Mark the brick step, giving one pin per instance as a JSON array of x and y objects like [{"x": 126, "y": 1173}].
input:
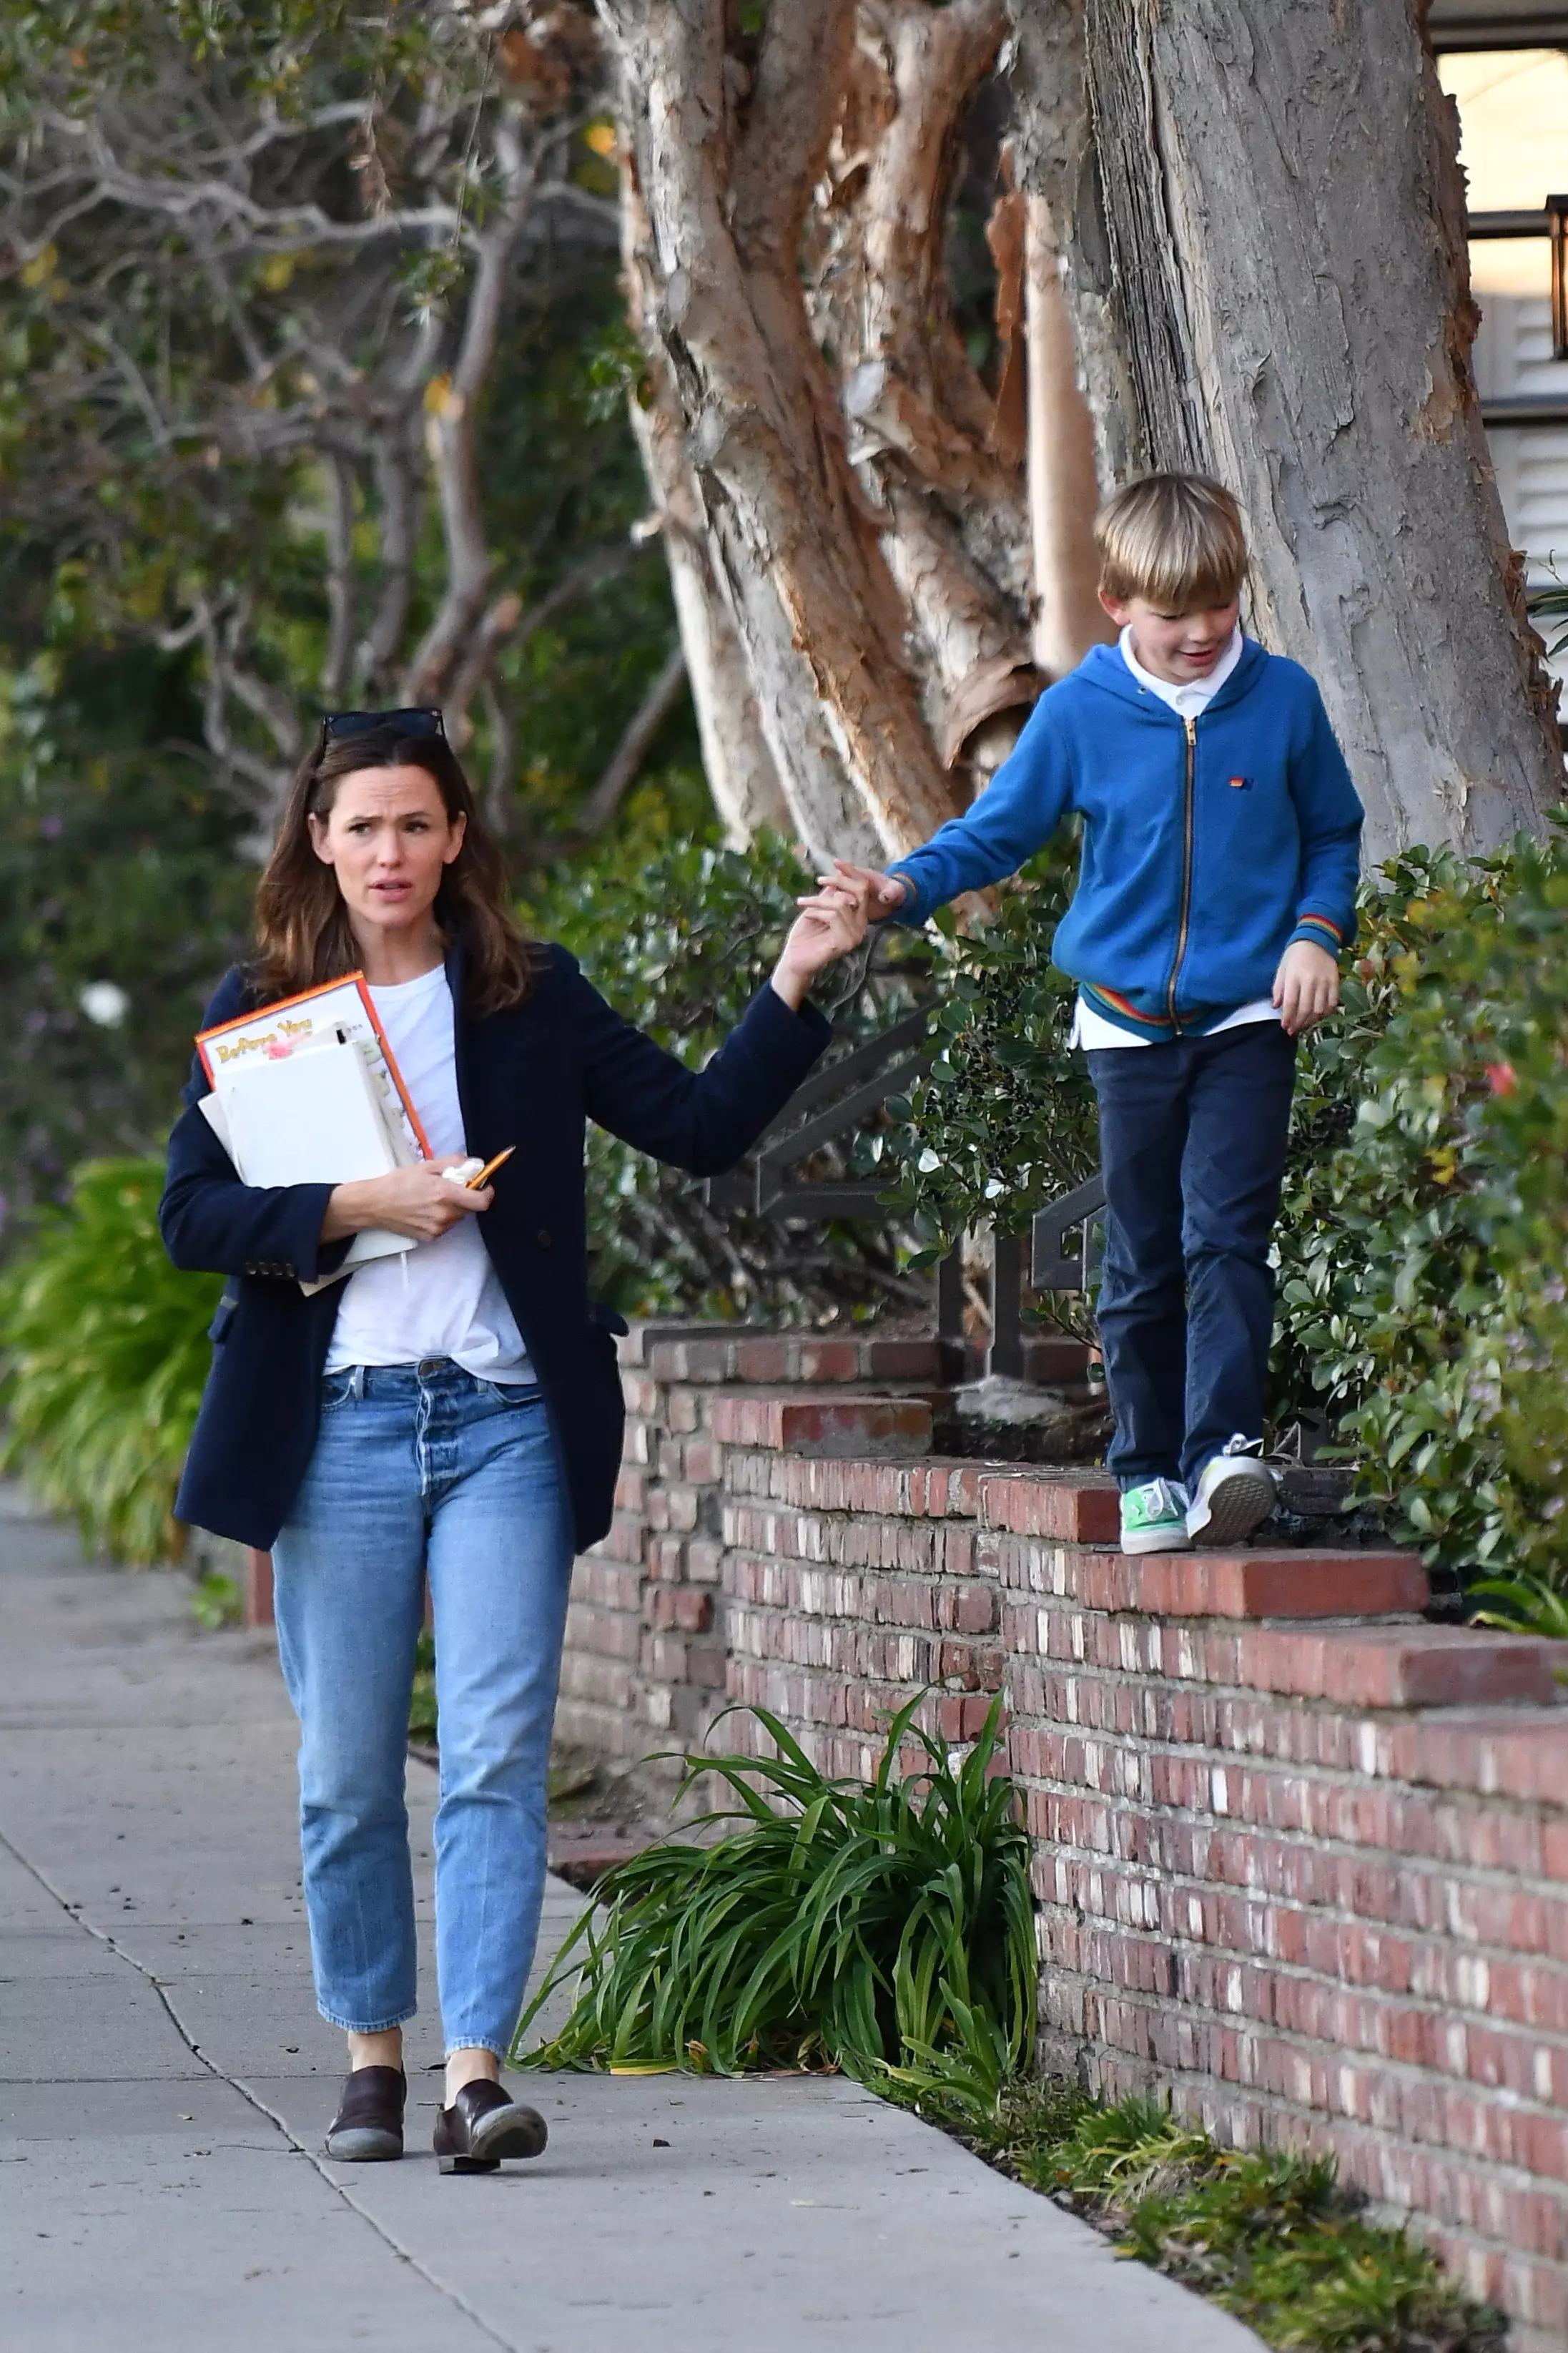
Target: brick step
[{"x": 723, "y": 1355}]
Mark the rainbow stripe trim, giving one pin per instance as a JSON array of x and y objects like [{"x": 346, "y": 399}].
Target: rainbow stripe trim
[
  {"x": 1123, "y": 1007},
  {"x": 1321, "y": 923}
]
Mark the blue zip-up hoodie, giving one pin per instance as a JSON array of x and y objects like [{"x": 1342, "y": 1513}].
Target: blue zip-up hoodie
[{"x": 1208, "y": 844}]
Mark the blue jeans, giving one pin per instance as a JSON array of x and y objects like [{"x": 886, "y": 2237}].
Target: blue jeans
[
  {"x": 1193, "y": 1137},
  {"x": 423, "y": 1471}
]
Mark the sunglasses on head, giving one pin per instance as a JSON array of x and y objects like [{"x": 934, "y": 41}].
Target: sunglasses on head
[{"x": 337, "y": 724}]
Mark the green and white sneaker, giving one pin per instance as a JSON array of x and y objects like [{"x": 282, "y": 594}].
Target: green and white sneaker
[
  {"x": 1236, "y": 1491},
  {"x": 1154, "y": 1517}
]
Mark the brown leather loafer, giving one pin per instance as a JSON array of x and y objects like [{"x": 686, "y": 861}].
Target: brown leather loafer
[
  {"x": 483, "y": 2125},
  {"x": 369, "y": 2122}
]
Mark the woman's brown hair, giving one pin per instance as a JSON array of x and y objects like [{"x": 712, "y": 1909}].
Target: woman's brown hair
[{"x": 302, "y": 928}]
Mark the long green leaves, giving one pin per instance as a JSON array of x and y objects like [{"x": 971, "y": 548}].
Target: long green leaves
[
  {"x": 870, "y": 1926},
  {"x": 106, "y": 1353}
]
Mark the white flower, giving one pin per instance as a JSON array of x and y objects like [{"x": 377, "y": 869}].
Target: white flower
[
  {"x": 105, "y": 1002},
  {"x": 927, "y": 1161}
]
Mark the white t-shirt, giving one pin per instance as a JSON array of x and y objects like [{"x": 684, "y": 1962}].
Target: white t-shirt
[
  {"x": 440, "y": 1298},
  {"x": 1091, "y": 1030}
]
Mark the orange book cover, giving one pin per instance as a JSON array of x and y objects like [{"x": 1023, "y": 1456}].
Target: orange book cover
[{"x": 274, "y": 1029}]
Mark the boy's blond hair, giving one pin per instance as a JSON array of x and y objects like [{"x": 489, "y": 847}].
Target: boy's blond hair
[{"x": 1175, "y": 540}]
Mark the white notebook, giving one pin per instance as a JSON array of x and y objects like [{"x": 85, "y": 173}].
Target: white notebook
[{"x": 312, "y": 1117}]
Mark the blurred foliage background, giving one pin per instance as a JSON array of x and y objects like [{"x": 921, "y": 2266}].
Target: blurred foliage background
[
  {"x": 300, "y": 308},
  {"x": 239, "y": 252}
]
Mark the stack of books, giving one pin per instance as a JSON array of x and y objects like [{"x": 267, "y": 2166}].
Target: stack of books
[{"x": 307, "y": 1092}]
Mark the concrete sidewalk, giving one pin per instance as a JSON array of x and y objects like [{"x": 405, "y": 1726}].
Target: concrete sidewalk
[{"x": 165, "y": 2083}]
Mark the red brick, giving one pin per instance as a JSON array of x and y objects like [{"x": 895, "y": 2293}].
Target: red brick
[
  {"x": 961, "y": 1715},
  {"x": 1302, "y": 1584},
  {"x": 1075, "y": 1507},
  {"x": 763, "y": 1359},
  {"x": 625, "y": 1539},
  {"x": 1513, "y": 1756},
  {"x": 824, "y": 1426},
  {"x": 1053, "y": 1361},
  {"x": 680, "y": 1607},
  {"x": 901, "y": 1360},
  {"x": 1389, "y": 1666}
]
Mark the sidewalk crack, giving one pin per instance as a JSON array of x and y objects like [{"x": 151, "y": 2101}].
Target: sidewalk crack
[{"x": 253, "y": 2100}]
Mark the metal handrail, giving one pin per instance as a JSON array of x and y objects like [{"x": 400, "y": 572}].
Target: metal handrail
[{"x": 1051, "y": 1267}]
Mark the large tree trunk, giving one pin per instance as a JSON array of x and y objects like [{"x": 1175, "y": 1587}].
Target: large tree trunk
[
  {"x": 1265, "y": 267},
  {"x": 738, "y": 767},
  {"x": 860, "y": 498},
  {"x": 725, "y": 158},
  {"x": 1236, "y": 229}
]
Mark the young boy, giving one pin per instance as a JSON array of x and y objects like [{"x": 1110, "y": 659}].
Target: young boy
[{"x": 1216, "y": 895}]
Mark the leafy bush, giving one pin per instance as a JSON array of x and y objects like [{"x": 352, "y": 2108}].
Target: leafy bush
[
  {"x": 1004, "y": 1120},
  {"x": 862, "y": 1926},
  {"x": 680, "y": 945},
  {"x": 105, "y": 1355},
  {"x": 1422, "y": 1240}
]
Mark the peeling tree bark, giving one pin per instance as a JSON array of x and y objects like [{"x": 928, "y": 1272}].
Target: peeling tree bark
[
  {"x": 1237, "y": 245},
  {"x": 724, "y": 160},
  {"x": 1269, "y": 281},
  {"x": 946, "y": 491},
  {"x": 738, "y": 767},
  {"x": 1063, "y": 481}
]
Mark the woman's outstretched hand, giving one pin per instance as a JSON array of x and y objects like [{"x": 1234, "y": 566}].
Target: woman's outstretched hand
[
  {"x": 883, "y": 894},
  {"x": 830, "y": 924}
]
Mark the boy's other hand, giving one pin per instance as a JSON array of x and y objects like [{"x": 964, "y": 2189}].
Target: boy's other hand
[
  {"x": 880, "y": 895},
  {"x": 1306, "y": 986}
]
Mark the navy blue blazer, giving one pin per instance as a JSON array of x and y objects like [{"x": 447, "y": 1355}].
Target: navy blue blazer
[{"x": 530, "y": 1076}]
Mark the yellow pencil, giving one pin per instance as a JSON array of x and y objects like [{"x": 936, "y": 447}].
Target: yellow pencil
[{"x": 489, "y": 1170}]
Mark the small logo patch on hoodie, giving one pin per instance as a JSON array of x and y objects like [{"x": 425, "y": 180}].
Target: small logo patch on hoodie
[{"x": 1241, "y": 784}]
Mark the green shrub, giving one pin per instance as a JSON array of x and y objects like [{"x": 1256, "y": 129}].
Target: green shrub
[
  {"x": 1270, "y": 2235},
  {"x": 862, "y": 1926},
  {"x": 1423, "y": 1230},
  {"x": 1004, "y": 1121},
  {"x": 105, "y": 1352},
  {"x": 216, "y": 1601},
  {"x": 680, "y": 946}
]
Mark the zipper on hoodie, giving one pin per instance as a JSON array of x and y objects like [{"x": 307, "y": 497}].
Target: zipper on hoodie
[{"x": 1191, "y": 727}]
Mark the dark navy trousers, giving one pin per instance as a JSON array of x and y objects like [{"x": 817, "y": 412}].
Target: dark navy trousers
[{"x": 1193, "y": 1137}]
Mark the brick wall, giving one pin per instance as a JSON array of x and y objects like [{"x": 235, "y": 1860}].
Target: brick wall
[{"x": 1300, "y": 1858}]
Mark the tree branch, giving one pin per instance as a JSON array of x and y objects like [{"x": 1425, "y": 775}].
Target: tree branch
[
  {"x": 340, "y": 523},
  {"x": 634, "y": 747},
  {"x": 507, "y": 623},
  {"x": 452, "y": 435}
]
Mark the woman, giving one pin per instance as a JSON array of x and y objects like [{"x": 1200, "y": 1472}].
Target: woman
[{"x": 451, "y": 1413}]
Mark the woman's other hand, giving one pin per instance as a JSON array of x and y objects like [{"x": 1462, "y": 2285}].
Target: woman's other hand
[
  {"x": 829, "y": 926},
  {"x": 417, "y": 1202}
]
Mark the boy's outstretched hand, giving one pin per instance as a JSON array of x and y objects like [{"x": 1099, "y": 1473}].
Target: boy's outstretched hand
[
  {"x": 827, "y": 927},
  {"x": 1306, "y": 986}
]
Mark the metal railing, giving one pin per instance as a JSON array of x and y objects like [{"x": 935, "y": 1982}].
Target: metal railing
[{"x": 835, "y": 1101}]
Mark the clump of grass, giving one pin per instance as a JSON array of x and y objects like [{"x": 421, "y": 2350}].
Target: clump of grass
[
  {"x": 1271, "y": 2236},
  {"x": 850, "y": 1924},
  {"x": 215, "y": 1600}
]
